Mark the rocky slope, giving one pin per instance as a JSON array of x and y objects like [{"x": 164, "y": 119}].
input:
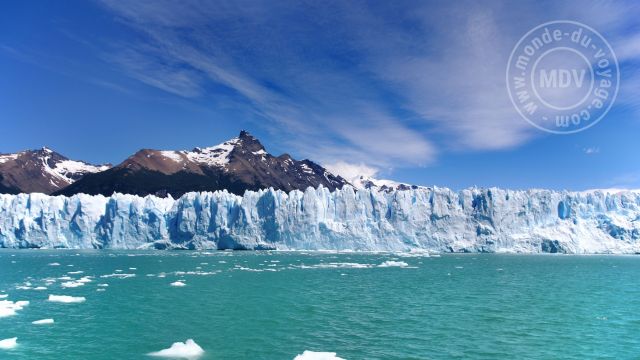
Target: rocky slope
[
  {"x": 43, "y": 171},
  {"x": 236, "y": 165}
]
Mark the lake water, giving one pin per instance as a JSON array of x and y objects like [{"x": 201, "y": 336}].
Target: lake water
[{"x": 275, "y": 305}]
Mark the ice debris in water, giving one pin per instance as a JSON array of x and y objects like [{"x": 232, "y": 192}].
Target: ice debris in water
[
  {"x": 181, "y": 350},
  {"x": 10, "y": 308},
  {"x": 9, "y": 343},
  {"x": 313, "y": 355},
  {"x": 178, "y": 283},
  {"x": 66, "y": 299},
  {"x": 391, "y": 263},
  {"x": 43, "y": 322}
]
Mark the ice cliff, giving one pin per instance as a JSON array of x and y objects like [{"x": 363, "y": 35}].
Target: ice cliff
[{"x": 434, "y": 219}]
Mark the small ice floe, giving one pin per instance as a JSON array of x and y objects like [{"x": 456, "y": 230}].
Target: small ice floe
[
  {"x": 43, "y": 322},
  {"x": 314, "y": 355},
  {"x": 10, "y": 308},
  {"x": 2, "y": 296},
  {"x": 132, "y": 268},
  {"x": 8, "y": 343},
  {"x": 75, "y": 272},
  {"x": 459, "y": 267},
  {"x": 201, "y": 273},
  {"x": 71, "y": 284},
  {"x": 40, "y": 288},
  {"x": 119, "y": 276},
  {"x": 391, "y": 263},
  {"x": 337, "y": 265},
  {"x": 178, "y": 283},
  {"x": 66, "y": 299},
  {"x": 76, "y": 283},
  {"x": 100, "y": 289},
  {"x": 103, "y": 285},
  {"x": 54, "y": 264},
  {"x": 181, "y": 350}
]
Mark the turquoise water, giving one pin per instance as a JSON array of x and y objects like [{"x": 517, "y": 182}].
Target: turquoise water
[{"x": 476, "y": 306}]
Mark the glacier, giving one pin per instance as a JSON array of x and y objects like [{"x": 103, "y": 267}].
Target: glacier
[{"x": 429, "y": 219}]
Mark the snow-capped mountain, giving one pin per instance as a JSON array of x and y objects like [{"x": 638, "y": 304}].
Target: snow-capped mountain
[
  {"x": 431, "y": 219},
  {"x": 236, "y": 165},
  {"x": 44, "y": 171}
]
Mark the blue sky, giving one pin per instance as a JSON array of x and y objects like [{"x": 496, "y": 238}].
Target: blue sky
[{"x": 407, "y": 90}]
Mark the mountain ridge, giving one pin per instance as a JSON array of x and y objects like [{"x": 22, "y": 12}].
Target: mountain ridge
[
  {"x": 237, "y": 165},
  {"x": 41, "y": 170}
]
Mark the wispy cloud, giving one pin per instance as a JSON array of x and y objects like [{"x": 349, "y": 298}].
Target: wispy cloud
[
  {"x": 328, "y": 114},
  {"x": 591, "y": 150},
  {"x": 348, "y": 81}
]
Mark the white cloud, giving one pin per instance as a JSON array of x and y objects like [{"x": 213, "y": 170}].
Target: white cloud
[
  {"x": 350, "y": 171},
  {"x": 442, "y": 66},
  {"x": 591, "y": 150}
]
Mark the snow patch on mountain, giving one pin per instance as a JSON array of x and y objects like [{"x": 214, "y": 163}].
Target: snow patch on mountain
[
  {"x": 8, "y": 157},
  {"x": 213, "y": 156}
]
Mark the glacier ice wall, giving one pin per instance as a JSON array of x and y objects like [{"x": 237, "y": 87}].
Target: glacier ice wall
[{"x": 435, "y": 219}]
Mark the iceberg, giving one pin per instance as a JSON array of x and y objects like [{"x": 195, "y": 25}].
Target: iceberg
[
  {"x": 314, "y": 355},
  {"x": 66, "y": 299},
  {"x": 181, "y": 350},
  {"x": 421, "y": 219},
  {"x": 8, "y": 343}
]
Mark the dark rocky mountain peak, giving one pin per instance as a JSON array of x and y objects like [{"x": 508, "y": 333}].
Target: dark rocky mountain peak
[{"x": 237, "y": 165}]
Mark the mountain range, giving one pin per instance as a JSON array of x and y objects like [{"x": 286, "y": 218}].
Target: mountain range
[
  {"x": 237, "y": 165},
  {"x": 43, "y": 170}
]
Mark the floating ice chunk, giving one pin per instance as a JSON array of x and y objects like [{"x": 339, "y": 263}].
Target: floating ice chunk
[
  {"x": 75, "y": 272},
  {"x": 181, "y": 350},
  {"x": 132, "y": 268},
  {"x": 39, "y": 288},
  {"x": 10, "y": 308},
  {"x": 54, "y": 264},
  {"x": 178, "y": 283},
  {"x": 391, "y": 263},
  {"x": 43, "y": 322},
  {"x": 71, "y": 284},
  {"x": 337, "y": 265},
  {"x": 2, "y": 296},
  {"x": 67, "y": 299},
  {"x": 119, "y": 275},
  {"x": 103, "y": 285},
  {"x": 313, "y": 355},
  {"x": 9, "y": 343}
]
